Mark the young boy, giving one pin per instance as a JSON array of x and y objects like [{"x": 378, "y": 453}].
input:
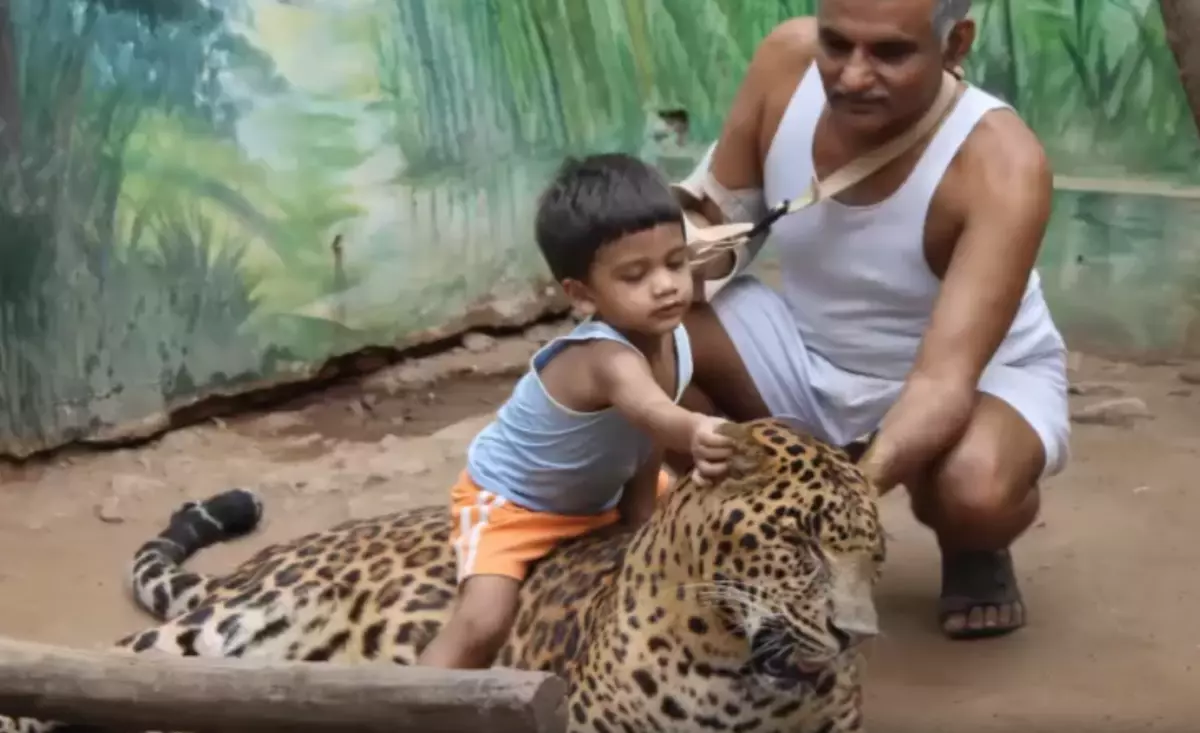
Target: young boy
[{"x": 578, "y": 446}]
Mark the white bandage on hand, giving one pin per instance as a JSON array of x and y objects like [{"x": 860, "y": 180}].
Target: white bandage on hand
[
  {"x": 738, "y": 206},
  {"x": 693, "y": 186}
]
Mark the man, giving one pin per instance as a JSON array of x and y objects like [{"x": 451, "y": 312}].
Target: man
[{"x": 909, "y": 305}]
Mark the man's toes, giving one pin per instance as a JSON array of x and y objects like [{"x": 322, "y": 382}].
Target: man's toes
[
  {"x": 999, "y": 616},
  {"x": 955, "y": 623},
  {"x": 1009, "y": 616},
  {"x": 980, "y": 618},
  {"x": 1006, "y": 615},
  {"x": 986, "y": 617}
]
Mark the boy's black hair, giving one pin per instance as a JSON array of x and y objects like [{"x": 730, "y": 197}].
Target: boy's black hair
[{"x": 595, "y": 200}]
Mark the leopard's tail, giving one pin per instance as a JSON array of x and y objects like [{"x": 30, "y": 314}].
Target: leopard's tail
[{"x": 160, "y": 584}]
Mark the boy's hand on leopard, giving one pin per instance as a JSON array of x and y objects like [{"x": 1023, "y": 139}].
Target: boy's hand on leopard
[{"x": 710, "y": 450}]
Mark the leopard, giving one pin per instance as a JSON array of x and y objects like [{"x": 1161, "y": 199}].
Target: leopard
[{"x": 742, "y": 604}]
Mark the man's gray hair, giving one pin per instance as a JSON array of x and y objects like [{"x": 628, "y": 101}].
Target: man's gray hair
[{"x": 946, "y": 13}]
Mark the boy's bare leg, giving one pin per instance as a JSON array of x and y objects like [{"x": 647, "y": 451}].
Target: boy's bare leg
[{"x": 482, "y": 616}]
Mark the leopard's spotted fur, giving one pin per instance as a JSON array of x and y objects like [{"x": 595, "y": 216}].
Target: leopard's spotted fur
[{"x": 738, "y": 607}]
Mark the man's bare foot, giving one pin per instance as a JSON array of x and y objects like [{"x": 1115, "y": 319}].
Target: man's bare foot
[{"x": 980, "y": 597}]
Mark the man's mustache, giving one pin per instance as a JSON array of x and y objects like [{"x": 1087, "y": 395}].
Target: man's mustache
[{"x": 857, "y": 97}]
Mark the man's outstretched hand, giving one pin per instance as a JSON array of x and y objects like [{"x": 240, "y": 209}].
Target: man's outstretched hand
[{"x": 927, "y": 420}]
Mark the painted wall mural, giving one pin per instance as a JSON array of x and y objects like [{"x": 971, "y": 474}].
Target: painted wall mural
[{"x": 201, "y": 195}]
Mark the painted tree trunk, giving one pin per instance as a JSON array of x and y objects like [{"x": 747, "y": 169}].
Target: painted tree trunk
[{"x": 1182, "y": 21}]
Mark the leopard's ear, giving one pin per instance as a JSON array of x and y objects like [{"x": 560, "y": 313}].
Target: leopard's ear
[
  {"x": 738, "y": 431},
  {"x": 749, "y": 454}
]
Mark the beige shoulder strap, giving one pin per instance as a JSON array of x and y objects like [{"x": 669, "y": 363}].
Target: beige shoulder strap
[{"x": 708, "y": 241}]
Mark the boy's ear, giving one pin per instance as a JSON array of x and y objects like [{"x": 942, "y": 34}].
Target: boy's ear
[{"x": 580, "y": 296}]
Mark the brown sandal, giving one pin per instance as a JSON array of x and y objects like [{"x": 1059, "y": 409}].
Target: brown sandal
[{"x": 979, "y": 580}]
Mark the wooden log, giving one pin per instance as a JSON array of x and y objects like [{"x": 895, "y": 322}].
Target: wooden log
[{"x": 134, "y": 692}]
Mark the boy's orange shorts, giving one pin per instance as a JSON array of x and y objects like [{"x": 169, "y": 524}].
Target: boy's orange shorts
[{"x": 493, "y": 536}]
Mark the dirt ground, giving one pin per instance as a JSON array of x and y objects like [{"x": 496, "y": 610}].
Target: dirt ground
[{"x": 1107, "y": 571}]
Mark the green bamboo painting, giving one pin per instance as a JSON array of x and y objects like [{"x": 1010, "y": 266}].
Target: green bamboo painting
[{"x": 202, "y": 194}]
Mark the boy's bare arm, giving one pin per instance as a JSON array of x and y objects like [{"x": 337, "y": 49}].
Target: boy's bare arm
[
  {"x": 623, "y": 378},
  {"x": 735, "y": 160}
]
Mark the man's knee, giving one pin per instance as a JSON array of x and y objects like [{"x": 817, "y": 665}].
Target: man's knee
[
  {"x": 975, "y": 489},
  {"x": 983, "y": 494}
]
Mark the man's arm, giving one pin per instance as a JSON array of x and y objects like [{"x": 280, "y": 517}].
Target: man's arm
[
  {"x": 1006, "y": 190},
  {"x": 736, "y": 159}
]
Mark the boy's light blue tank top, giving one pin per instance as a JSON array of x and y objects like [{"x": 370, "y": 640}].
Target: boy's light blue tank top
[{"x": 543, "y": 456}]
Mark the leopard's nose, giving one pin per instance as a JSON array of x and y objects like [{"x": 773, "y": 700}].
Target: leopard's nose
[{"x": 848, "y": 636}]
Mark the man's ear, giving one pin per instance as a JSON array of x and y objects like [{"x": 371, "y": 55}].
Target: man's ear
[
  {"x": 580, "y": 295},
  {"x": 958, "y": 44}
]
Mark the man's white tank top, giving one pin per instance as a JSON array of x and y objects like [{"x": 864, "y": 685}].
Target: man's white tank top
[{"x": 855, "y": 277}]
